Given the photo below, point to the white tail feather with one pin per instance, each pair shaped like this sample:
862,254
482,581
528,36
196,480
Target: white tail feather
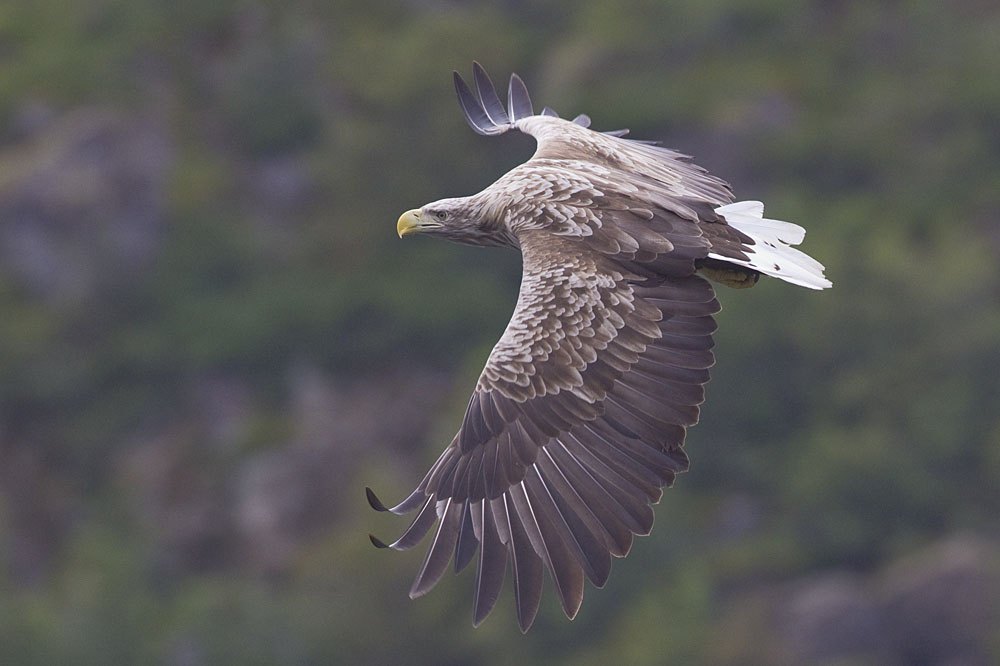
772,253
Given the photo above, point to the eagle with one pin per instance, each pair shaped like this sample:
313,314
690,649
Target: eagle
578,420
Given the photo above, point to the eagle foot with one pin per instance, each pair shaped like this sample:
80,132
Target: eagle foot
731,276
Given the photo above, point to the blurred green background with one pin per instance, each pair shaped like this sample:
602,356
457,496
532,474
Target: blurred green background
211,339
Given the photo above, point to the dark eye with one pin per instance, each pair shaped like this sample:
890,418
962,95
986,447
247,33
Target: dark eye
440,214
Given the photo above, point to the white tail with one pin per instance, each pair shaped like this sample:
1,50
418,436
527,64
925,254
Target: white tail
772,254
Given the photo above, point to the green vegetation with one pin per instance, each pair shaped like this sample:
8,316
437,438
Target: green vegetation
212,339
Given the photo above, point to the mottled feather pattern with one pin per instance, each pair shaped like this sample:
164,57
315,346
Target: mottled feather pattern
571,307
578,419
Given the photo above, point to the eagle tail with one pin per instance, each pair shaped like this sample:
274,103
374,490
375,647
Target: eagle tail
772,252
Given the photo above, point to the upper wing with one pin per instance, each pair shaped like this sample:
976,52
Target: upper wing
577,421
572,140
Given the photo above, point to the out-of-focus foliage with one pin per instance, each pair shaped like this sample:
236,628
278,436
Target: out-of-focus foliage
212,339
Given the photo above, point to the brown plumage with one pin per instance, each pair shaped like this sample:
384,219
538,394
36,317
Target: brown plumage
578,420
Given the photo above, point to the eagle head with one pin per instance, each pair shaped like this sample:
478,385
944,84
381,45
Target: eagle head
462,220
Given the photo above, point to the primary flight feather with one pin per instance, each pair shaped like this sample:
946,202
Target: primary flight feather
578,420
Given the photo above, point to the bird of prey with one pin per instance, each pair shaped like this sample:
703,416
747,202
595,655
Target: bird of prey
578,420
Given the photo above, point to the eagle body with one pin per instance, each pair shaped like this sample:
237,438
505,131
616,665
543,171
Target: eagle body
578,419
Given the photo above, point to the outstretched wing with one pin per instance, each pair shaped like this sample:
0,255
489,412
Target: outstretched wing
572,140
578,419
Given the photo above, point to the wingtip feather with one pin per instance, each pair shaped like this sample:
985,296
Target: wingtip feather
373,500
488,97
472,108
518,100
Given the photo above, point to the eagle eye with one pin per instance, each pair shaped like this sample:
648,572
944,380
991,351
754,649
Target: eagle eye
440,214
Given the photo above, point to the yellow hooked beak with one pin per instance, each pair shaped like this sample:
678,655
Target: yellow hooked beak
408,223
413,221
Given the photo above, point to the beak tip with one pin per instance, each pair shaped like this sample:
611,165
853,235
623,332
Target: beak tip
408,222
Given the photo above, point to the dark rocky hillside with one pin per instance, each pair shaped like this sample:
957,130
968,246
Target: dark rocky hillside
211,339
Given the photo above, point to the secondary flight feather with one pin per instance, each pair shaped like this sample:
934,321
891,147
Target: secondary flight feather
578,420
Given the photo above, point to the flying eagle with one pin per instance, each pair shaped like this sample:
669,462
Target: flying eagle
578,419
